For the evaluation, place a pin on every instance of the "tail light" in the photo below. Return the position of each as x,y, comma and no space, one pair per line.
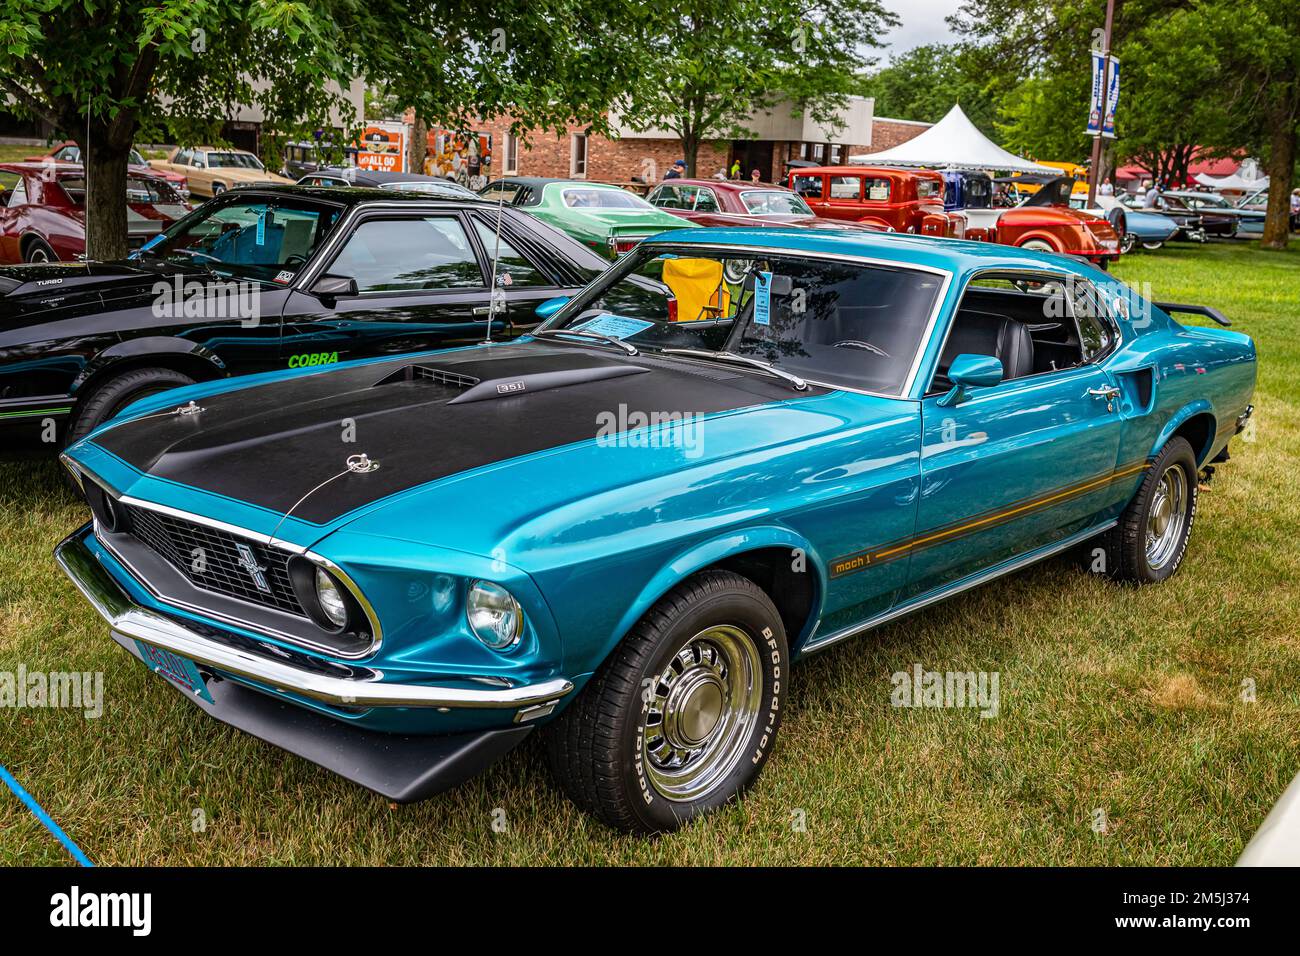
620,245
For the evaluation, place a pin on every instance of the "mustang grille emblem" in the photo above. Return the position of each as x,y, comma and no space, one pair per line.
255,571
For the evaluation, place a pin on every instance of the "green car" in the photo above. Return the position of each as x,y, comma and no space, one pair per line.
607,218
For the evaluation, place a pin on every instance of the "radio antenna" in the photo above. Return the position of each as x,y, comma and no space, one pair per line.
496,258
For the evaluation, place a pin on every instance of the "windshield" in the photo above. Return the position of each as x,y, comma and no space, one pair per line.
580,198
840,323
249,237
775,202
234,161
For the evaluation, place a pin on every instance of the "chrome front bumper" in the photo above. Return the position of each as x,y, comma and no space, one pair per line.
133,620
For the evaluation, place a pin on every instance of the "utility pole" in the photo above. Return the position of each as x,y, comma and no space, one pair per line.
1095,167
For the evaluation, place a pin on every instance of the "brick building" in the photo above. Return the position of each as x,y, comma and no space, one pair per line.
628,155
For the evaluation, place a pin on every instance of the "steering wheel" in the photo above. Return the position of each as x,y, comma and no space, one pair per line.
864,346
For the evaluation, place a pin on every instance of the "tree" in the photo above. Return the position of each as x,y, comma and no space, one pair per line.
923,84
705,67
1201,78
101,71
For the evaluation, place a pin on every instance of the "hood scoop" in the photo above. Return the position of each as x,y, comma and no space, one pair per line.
474,389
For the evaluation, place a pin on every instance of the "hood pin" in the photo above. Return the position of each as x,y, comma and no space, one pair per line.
362,464
190,409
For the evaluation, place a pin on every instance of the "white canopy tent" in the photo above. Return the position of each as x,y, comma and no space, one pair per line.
952,143
1233,183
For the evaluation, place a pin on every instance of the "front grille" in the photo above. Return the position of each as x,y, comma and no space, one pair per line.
210,559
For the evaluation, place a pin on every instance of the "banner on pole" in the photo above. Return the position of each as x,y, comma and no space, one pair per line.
1095,102
1112,100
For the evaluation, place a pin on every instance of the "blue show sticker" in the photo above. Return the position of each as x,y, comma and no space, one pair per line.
152,242
261,228
615,326
763,298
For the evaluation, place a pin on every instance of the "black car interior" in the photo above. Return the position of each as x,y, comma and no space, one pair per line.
1030,332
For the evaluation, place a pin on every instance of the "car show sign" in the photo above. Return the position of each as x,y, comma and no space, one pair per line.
383,148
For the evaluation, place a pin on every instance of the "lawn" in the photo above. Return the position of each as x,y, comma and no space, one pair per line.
1114,701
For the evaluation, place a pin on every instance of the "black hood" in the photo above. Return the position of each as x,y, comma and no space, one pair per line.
421,417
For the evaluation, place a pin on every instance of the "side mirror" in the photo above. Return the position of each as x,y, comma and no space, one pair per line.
548,308
970,371
328,285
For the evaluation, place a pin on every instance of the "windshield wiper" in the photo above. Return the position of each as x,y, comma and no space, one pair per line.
724,356
627,347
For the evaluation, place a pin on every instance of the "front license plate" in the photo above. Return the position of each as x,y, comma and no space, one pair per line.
179,670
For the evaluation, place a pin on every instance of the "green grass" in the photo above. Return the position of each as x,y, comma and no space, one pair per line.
1113,698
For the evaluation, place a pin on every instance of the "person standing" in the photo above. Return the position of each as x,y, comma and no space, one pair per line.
1151,199
1107,188
735,169
755,177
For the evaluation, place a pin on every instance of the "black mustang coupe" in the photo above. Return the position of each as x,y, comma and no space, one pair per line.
267,278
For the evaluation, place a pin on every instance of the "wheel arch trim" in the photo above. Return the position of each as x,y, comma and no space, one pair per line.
704,554
1180,418
161,347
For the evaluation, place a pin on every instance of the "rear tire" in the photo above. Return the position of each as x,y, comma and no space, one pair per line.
38,250
1148,543
1152,246
682,716
1038,245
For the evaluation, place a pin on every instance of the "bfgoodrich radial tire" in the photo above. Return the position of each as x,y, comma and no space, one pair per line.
1148,544
115,394
683,715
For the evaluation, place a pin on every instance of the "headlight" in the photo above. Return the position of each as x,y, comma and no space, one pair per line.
494,615
331,598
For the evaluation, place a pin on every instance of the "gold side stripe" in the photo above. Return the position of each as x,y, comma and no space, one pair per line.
861,559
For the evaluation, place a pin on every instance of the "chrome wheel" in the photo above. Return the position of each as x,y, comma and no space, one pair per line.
1166,517
702,709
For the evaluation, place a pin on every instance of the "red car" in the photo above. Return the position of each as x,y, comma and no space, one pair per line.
1046,222
43,211
898,200
70,152
720,202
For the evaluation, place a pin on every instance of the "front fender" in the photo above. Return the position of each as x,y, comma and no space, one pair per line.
712,551
159,345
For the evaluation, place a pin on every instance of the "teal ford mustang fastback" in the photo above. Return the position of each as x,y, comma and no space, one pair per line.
733,448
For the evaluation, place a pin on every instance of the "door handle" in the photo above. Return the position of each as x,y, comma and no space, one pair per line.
1108,392
481,309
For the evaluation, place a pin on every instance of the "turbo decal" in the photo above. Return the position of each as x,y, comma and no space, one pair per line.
857,560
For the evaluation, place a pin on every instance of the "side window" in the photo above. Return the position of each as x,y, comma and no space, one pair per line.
810,187
705,201
19,196
666,197
846,188
399,255
509,260
1096,333
68,154
199,160
877,190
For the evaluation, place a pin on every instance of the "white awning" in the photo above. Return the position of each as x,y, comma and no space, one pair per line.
952,143
1233,183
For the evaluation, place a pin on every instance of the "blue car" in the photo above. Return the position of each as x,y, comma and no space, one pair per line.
1149,230
734,448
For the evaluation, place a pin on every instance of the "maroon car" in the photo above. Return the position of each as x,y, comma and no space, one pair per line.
43,210
69,152
722,202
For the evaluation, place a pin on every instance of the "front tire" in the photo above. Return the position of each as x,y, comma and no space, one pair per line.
1148,543
682,716
112,396
1152,246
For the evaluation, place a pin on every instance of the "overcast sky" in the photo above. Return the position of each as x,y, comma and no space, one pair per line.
923,22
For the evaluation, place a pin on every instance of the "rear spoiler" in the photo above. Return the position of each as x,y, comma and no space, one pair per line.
1208,311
